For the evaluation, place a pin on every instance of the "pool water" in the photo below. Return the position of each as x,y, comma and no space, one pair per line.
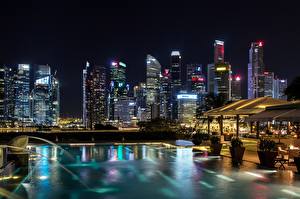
147,171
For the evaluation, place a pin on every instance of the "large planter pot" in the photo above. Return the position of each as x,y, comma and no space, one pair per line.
297,162
267,158
237,154
216,149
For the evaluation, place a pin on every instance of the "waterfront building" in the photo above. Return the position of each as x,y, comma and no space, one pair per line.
279,88
175,70
152,87
236,88
22,93
187,104
117,87
165,94
256,68
94,90
223,80
268,78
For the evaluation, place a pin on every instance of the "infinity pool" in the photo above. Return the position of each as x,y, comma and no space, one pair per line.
147,171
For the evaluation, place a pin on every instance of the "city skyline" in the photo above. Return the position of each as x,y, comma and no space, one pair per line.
70,38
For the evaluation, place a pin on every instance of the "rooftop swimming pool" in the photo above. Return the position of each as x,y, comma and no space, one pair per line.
145,171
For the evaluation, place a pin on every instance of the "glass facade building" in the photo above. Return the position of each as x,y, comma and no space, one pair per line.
187,104
175,81
152,87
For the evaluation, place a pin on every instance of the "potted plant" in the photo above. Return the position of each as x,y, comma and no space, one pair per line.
215,145
199,137
267,152
237,150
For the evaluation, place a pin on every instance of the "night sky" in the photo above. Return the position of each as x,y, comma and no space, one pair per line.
66,35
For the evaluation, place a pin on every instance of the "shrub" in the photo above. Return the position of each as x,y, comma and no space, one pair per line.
267,145
215,140
236,142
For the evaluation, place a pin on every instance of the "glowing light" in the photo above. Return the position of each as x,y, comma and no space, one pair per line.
122,64
43,177
209,186
186,96
260,43
225,178
254,174
218,42
238,78
114,63
292,193
221,69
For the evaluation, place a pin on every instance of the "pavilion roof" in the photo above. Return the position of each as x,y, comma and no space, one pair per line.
246,107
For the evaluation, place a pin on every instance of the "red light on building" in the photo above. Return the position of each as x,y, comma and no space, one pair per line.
238,78
260,44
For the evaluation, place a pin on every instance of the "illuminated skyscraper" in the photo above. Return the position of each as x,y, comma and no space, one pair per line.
218,51
125,111
139,93
41,96
84,94
152,87
268,78
191,69
256,68
175,81
223,80
22,89
165,94
118,87
2,93
94,93
54,101
279,87
211,88
187,105
236,87
10,93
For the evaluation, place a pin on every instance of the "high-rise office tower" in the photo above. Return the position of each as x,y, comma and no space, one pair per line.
223,80
268,78
175,81
211,79
94,93
187,105
236,87
125,110
10,93
152,87
41,96
117,87
54,101
139,93
165,94
191,69
2,93
279,87
218,51
84,94
22,89
256,68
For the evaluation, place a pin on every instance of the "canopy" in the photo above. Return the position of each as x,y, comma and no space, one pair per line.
267,115
246,107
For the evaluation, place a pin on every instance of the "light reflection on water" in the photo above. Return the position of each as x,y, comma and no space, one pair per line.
150,171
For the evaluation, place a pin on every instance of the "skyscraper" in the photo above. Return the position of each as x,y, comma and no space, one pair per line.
165,94
41,96
268,78
139,93
187,105
94,95
218,51
10,93
236,87
2,93
117,88
279,87
223,80
211,88
22,89
256,68
152,87
84,94
175,81
54,101
191,69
